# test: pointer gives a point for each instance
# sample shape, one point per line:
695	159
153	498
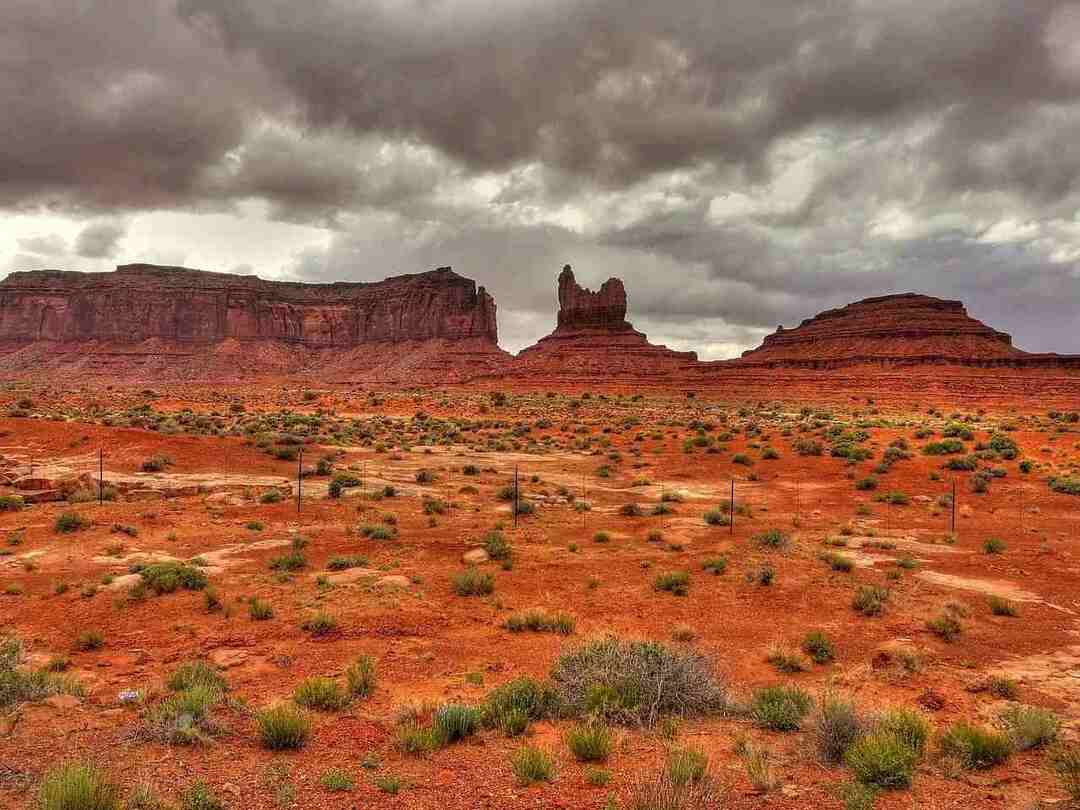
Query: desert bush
497	546
11	503
184	718
676	582
530	765
282	727
453	722
515	704
772	538
1065	763
167	577
77	786
1000	606
590	741
337	780
1030	726
260	610
323	694
870	600
910	726
156	463
836	726
975	747
818	646
780	708
660	792
540	621
68	522
361	676
636	681
946	626
195	673
882	760
320	623
686	765
473	582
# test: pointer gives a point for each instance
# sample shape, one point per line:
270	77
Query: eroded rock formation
592	338
140	302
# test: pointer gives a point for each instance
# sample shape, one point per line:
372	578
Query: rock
393	581
475	556
592	338
42	495
141	301
349	575
62	702
226	658
145	495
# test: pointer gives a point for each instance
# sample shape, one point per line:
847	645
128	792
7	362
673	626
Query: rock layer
141	302
581	309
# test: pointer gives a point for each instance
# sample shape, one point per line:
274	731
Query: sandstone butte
144	322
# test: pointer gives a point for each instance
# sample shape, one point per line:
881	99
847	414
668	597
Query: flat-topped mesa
139	302
902	327
581	309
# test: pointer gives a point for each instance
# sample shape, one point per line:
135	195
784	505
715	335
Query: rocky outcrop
141	302
907	329
581	309
592	339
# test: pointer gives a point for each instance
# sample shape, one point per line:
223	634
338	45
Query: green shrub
89	640
183	718
11	503
946	626
1065	762
282	727
77	786
453	722
515	704
687	765
320	624
870	600
717	517
910	726
195	673
540	621
324	694
780	708
497	546
167	577
361	676
715	565
676	582
636	681
818	646
530	765
836	727
259	610
944	447
994	545
1000	606
1030	726
68	522
975	747
882	760
589	742
773	538
473	582
337	780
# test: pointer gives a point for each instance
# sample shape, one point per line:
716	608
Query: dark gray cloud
740	165
99	240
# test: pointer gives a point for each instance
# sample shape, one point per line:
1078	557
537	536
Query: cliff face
581	309
141	302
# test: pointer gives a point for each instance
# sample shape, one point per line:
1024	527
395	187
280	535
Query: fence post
731	513
101	476
299	478
515	495
954	506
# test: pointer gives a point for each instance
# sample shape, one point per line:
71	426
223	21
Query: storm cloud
740	165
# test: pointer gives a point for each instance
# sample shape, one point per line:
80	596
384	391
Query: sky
739	165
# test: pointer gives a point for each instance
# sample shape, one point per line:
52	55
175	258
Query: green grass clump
453	722
975	747
184	718
715	565
589	742
780	708
870	600
530	765
1000	606
994	545
337	780
1065	763
167	577
882	760
319	624
910	726
68	522
260	610
687	765
945	626
1030	726
323	694
716	517
11	503
515	704
283	727
818	646
361	676
773	538
195	673
675	582
540	621
473	582
77	786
